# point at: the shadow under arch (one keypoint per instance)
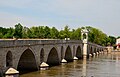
(68, 54)
(62, 52)
(41, 55)
(53, 58)
(79, 53)
(27, 62)
(95, 50)
(9, 59)
(91, 50)
(98, 50)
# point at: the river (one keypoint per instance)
(107, 65)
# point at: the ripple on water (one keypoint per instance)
(101, 66)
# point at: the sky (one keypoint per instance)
(101, 14)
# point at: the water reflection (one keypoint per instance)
(99, 66)
(63, 69)
(84, 67)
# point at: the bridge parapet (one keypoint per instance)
(24, 42)
(96, 45)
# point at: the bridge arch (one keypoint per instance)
(53, 58)
(41, 55)
(68, 54)
(79, 52)
(9, 60)
(27, 61)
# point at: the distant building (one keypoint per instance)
(109, 49)
(118, 43)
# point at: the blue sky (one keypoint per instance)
(101, 14)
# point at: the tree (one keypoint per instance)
(41, 32)
(76, 34)
(18, 31)
(54, 33)
(25, 32)
(29, 33)
(112, 40)
(61, 34)
(96, 36)
(65, 33)
(1, 35)
(47, 32)
(72, 35)
(9, 34)
(118, 37)
(1, 32)
(34, 32)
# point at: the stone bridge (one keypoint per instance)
(29, 54)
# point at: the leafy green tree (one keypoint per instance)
(54, 33)
(61, 34)
(41, 32)
(76, 34)
(34, 32)
(72, 35)
(112, 40)
(1, 32)
(30, 33)
(18, 31)
(25, 32)
(9, 34)
(1, 35)
(65, 33)
(118, 37)
(47, 32)
(96, 36)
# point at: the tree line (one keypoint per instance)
(45, 32)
